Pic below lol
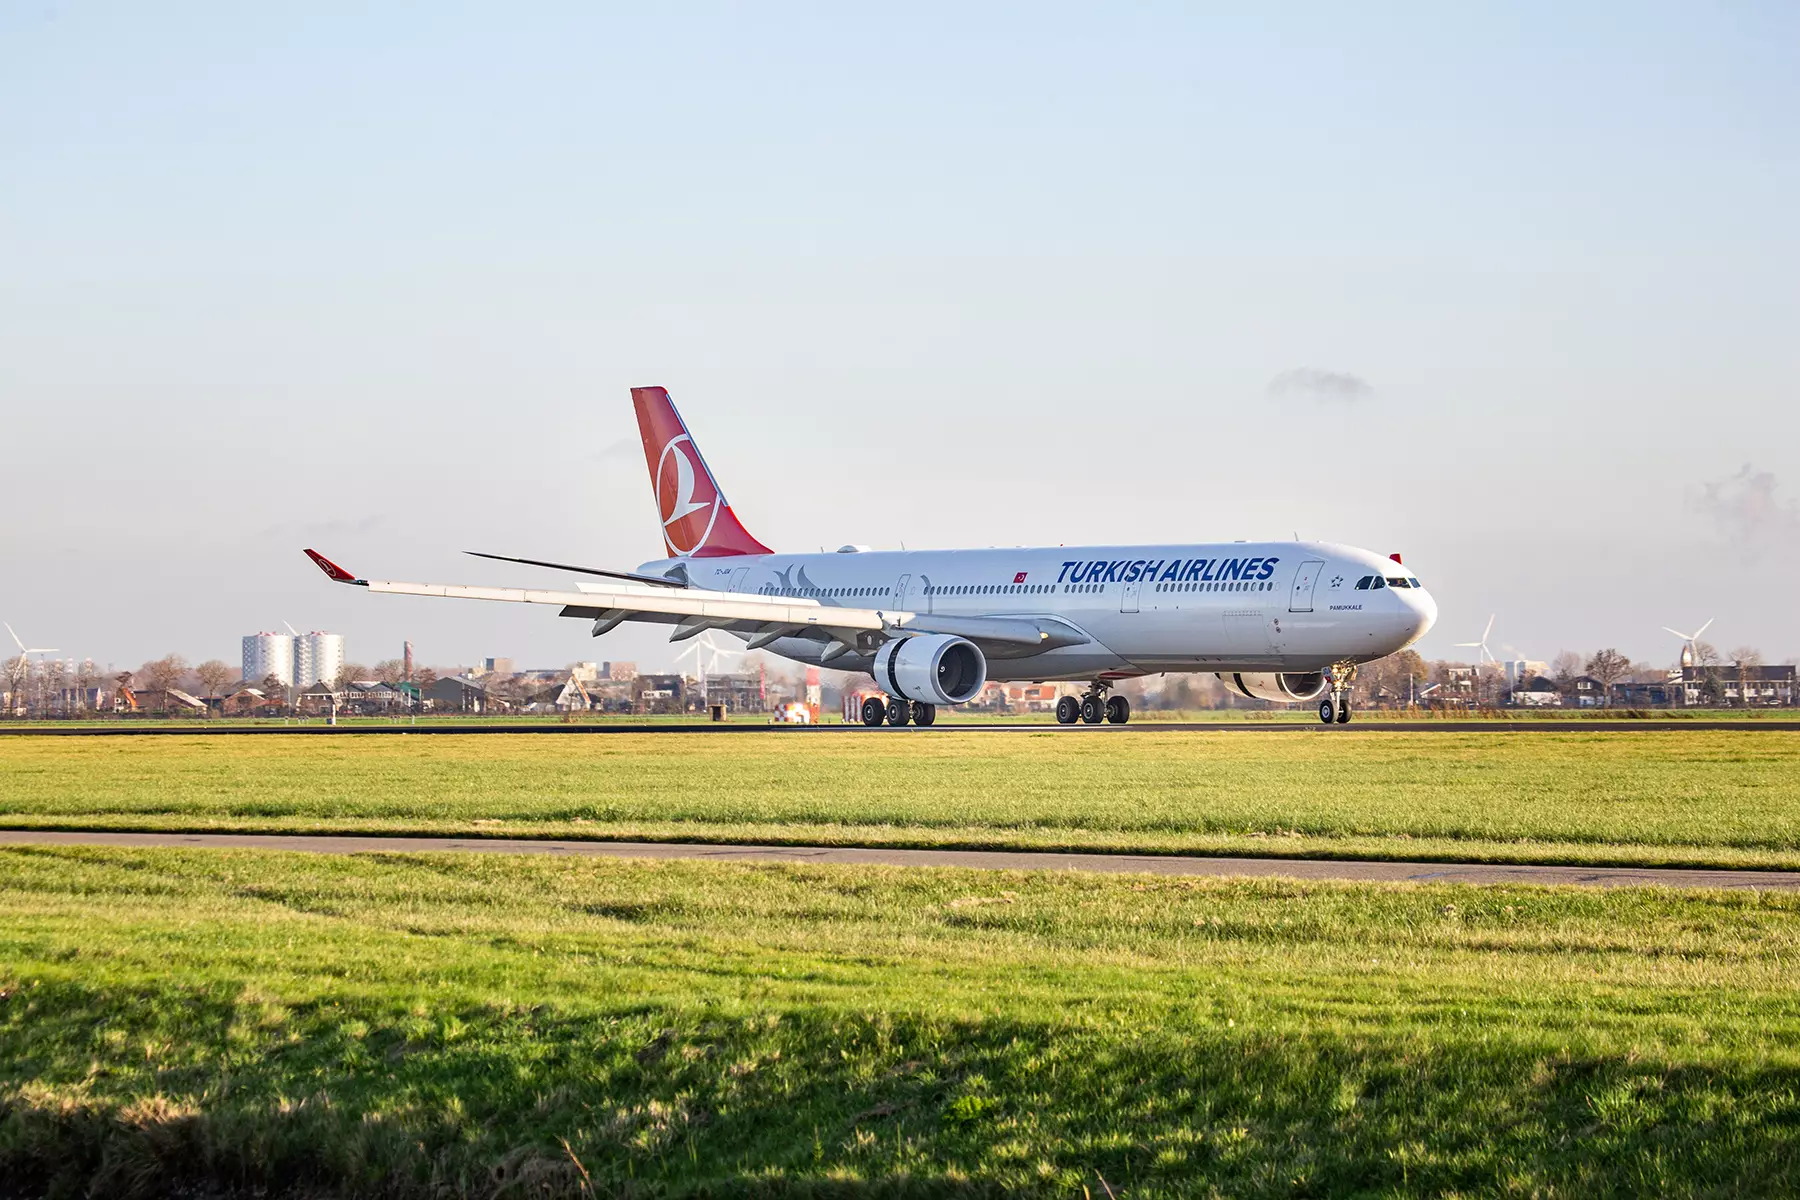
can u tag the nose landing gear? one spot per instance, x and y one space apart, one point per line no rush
1336 709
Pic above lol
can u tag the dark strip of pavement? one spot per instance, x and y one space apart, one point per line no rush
1356 870
207 728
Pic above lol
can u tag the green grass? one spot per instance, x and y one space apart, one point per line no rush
1671 797
445 1024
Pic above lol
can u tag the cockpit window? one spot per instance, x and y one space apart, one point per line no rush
1362 585
1410 579
1378 584
1399 581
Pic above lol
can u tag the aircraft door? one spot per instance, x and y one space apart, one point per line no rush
737 579
900 592
1128 596
1305 579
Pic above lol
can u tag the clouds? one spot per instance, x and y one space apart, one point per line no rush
1320 387
1746 511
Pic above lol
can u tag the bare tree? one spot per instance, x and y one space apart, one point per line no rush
18 675
55 678
89 681
349 673
1748 661
1607 667
166 672
273 688
213 676
390 670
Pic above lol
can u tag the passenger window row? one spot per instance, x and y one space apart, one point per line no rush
990 589
1217 586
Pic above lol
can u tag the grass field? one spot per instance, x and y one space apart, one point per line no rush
489 1026
1726 798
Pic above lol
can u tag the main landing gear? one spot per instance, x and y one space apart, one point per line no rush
1094 707
1335 710
897 712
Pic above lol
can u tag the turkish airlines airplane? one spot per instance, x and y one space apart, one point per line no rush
1282 621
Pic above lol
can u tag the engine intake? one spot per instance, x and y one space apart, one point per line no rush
934 668
1292 688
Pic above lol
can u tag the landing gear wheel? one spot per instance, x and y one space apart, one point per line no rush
1118 710
899 712
1068 710
924 714
1091 712
874 712
1344 711
1327 712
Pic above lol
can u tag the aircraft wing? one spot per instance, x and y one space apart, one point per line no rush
762 619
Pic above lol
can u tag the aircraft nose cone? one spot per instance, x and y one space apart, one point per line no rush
1421 614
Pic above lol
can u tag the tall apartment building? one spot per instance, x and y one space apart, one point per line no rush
298 660
317 657
267 654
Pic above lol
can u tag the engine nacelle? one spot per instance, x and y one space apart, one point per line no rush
1292 688
934 668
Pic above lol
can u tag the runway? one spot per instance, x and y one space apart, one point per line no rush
200 727
1359 870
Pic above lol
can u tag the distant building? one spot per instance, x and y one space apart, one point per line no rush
1521 670
1729 684
1537 692
318 657
1661 693
564 695
267 654
493 666
657 693
457 694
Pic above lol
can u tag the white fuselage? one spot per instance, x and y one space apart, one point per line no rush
1224 607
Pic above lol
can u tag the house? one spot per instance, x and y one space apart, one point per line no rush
321 699
169 702
1662 693
738 693
1735 686
240 702
371 697
457 694
1537 692
657 694
1588 692
568 695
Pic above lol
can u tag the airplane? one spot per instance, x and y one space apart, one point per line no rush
1277 621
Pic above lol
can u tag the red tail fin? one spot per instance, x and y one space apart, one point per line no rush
696 521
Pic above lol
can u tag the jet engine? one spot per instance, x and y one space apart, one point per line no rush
933 668
1291 688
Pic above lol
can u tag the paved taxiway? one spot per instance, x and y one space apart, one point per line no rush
1362 870
180 727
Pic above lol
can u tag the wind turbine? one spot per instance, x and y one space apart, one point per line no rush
707 652
20 672
1485 655
1688 654
24 650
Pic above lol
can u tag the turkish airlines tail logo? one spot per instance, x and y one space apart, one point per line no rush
696 520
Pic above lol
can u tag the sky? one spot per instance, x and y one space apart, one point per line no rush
1510 290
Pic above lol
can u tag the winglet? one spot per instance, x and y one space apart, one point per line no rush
332 571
